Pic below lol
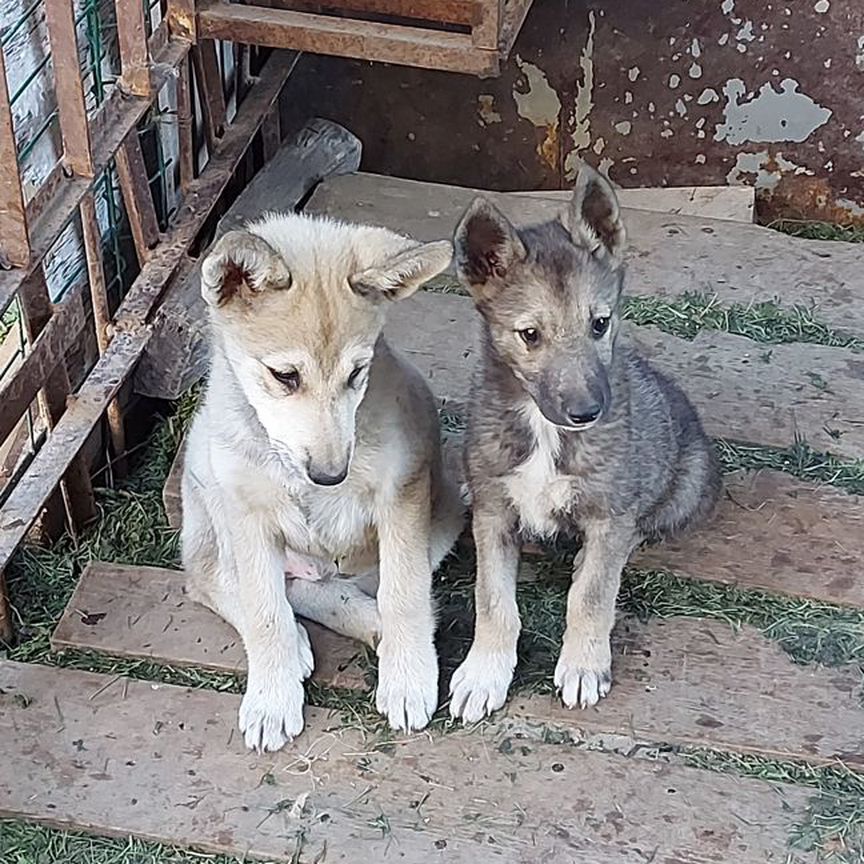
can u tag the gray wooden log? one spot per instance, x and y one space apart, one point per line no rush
176 357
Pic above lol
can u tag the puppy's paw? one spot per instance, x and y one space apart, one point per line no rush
304 652
583 674
407 693
479 686
271 713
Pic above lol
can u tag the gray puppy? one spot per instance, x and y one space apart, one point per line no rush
570 431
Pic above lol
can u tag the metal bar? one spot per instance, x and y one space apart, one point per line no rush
343 37
132 174
110 126
102 317
69 88
14 239
134 53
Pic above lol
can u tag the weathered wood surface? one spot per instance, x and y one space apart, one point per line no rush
177 355
699 682
773 532
763 394
735 203
682 681
144 613
113 756
668 254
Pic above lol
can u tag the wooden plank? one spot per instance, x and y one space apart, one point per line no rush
463 12
124 757
102 311
69 88
185 126
109 127
211 90
135 186
681 681
143 613
66 439
47 352
134 59
762 394
14 239
341 37
735 203
76 489
776 533
668 255
700 683
513 17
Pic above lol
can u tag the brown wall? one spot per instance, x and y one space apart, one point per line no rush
657 93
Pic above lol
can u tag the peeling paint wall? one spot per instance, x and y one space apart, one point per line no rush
674 93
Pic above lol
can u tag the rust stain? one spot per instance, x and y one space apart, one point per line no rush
797 196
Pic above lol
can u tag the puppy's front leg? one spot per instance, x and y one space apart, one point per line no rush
479 686
407 663
278 652
583 674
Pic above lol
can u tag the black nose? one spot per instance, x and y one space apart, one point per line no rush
319 478
580 415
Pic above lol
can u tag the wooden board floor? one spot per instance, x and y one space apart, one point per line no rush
116 756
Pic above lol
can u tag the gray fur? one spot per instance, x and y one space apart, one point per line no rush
536 464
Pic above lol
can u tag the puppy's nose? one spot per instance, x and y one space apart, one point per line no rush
582 414
322 478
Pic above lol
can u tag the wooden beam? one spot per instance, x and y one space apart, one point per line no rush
341 37
102 318
211 90
37 311
466 13
181 19
66 439
109 127
185 126
14 238
135 187
46 353
134 53
68 87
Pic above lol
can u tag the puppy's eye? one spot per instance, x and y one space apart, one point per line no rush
530 336
289 379
355 377
599 326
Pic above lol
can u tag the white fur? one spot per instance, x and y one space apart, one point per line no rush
251 511
536 488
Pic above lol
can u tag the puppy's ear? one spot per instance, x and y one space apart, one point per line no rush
241 264
403 273
594 217
487 246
